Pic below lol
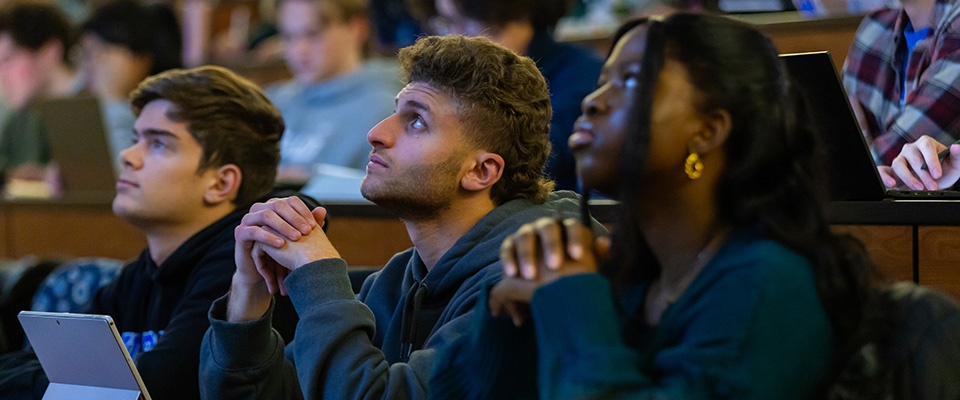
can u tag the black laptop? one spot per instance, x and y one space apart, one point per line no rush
853 173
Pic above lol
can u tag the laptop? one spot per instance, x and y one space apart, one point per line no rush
79 145
853 173
83 357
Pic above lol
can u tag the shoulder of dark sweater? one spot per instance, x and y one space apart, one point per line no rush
562 61
478 249
766 259
474 258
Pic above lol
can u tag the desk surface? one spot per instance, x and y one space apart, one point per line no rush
895 212
890 212
906 239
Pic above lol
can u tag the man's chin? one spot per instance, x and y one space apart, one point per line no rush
122 207
368 189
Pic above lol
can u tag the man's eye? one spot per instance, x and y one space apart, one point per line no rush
418 124
157 144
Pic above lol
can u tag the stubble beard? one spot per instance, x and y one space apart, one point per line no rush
416 193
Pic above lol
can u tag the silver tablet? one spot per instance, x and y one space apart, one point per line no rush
83 357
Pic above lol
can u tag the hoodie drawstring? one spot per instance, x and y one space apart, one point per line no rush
411 319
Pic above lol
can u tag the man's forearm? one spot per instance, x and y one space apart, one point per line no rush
247 302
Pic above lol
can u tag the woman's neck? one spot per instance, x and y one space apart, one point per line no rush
682 229
678 225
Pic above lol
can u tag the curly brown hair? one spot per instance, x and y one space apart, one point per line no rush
228 115
502 100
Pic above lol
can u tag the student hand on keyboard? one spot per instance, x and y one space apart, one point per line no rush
925 164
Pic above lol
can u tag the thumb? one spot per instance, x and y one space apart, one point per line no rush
320 214
954 158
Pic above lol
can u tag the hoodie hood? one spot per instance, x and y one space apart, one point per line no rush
419 303
198 246
480 246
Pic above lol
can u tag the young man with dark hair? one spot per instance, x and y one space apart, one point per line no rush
35 42
460 163
205 147
526 27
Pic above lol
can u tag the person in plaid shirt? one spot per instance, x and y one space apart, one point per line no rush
921 43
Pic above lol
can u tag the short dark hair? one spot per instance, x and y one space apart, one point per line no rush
150 30
228 115
32 25
502 100
543 14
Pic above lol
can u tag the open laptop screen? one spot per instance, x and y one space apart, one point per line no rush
82 356
853 174
78 144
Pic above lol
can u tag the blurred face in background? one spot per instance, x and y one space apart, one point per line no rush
450 20
316 48
112 70
22 73
514 35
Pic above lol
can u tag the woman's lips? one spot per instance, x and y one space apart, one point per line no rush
580 139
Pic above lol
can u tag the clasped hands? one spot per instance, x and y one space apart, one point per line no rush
277 237
540 253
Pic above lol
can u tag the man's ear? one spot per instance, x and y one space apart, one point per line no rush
487 170
714 132
224 185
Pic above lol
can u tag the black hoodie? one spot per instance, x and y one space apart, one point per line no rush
161 311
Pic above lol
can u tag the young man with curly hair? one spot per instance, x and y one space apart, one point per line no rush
460 162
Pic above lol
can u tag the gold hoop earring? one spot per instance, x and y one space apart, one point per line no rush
693 166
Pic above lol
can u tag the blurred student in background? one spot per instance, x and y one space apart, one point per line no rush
35 43
526 27
123 43
902 72
394 26
336 94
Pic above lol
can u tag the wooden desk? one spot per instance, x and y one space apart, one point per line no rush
789 31
917 241
365 235
60 230
907 241
792 33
